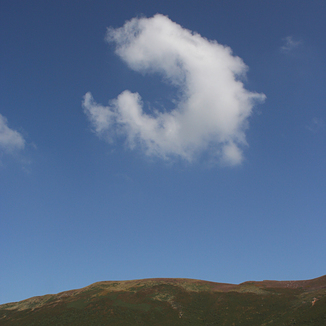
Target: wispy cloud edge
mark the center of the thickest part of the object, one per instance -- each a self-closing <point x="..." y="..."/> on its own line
<point x="10" y="140"/>
<point x="289" y="44"/>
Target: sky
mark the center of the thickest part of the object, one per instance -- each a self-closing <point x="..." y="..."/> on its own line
<point x="144" y="139"/>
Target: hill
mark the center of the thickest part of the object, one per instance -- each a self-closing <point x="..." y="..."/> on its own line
<point x="176" y="302"/>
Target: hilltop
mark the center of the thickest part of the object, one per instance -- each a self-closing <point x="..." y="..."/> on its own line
<point x="176" y="302"/>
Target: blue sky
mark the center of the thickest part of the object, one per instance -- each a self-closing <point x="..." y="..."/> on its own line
<point x="215" y="171"/>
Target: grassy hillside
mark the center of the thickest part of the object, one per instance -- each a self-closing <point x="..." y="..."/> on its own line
<point x="176" y="302"/>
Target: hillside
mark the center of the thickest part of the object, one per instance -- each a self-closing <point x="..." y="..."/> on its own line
<point x="176" y="302"/>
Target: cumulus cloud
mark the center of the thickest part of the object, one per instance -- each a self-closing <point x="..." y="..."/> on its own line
<point x="289" y="44"/>
<point x="212" y="111"/>
<point x="10" y="140"/>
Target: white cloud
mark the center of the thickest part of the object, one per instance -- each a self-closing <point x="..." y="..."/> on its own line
<point x="316" y="125"/>
<point x="10" y="140"/>
<point x="212" y="112"/>
<point x="289" y="44"/>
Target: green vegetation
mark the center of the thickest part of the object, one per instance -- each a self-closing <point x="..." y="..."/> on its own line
<point x="176" y="302"/>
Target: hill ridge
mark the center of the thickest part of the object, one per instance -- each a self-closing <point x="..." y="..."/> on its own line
<point x="176" y="301"/>
<point x="315" y="283"/>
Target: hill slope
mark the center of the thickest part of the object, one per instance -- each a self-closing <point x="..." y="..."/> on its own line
<point x="176" y="302"/>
